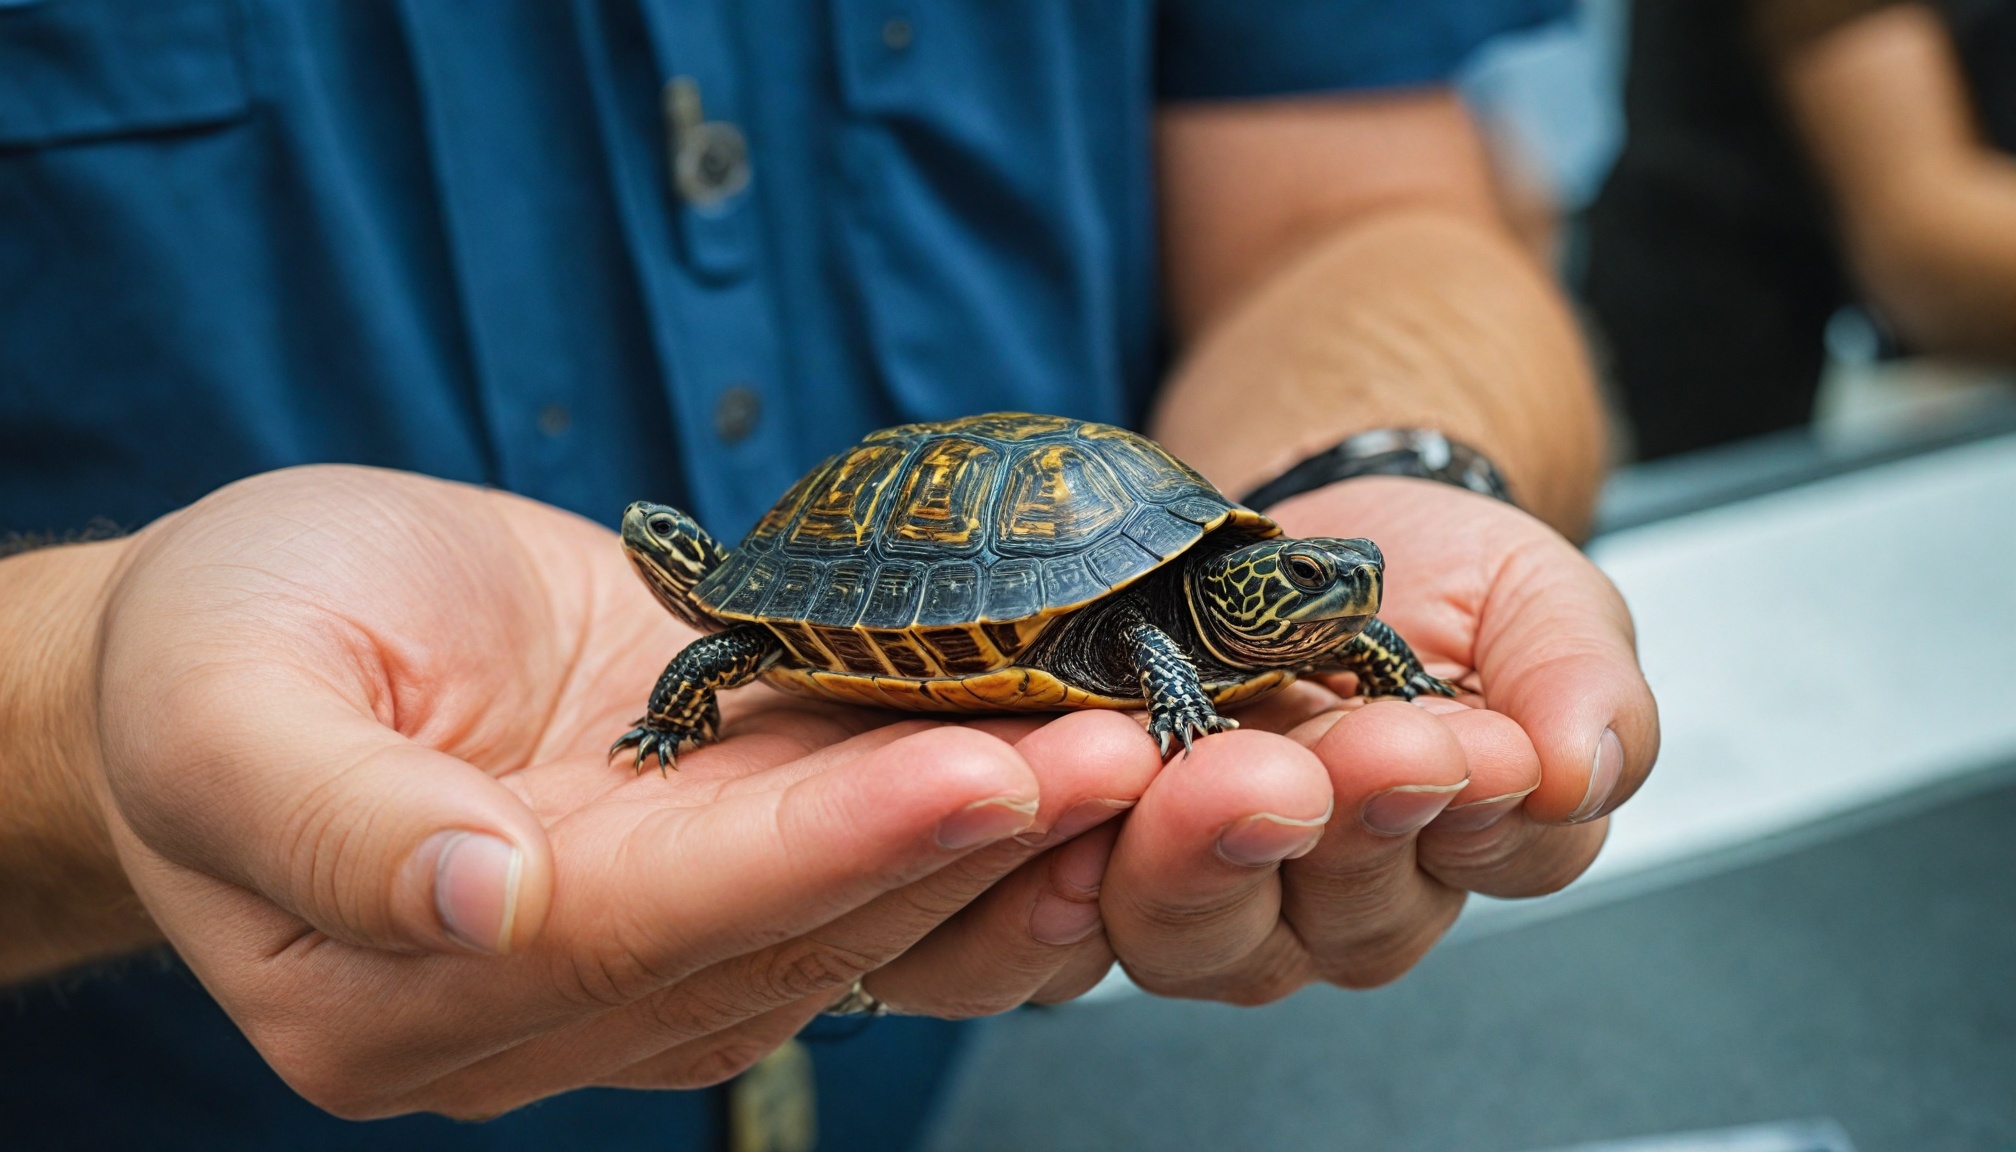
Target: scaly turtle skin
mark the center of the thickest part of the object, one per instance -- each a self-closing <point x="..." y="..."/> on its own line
<point x="1009" y="563"/>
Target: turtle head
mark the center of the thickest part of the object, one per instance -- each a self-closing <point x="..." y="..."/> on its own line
<point x="672" y="553"/>
<point x="1286" y="602"/>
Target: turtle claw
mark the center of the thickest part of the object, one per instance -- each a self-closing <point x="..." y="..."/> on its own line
<point x="649" y="742"/>
<point x="1186" y="724"/>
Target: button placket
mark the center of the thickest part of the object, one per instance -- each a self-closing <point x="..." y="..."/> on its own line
<point x="700" y="233"/>
<point x="708" y="160"/>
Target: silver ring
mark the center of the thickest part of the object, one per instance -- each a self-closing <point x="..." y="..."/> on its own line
<point x="857" y="1001"/>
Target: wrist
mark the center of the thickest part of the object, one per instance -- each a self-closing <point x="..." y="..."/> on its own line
<point x="1419" y="453"/>
<point x="64" y="898"/>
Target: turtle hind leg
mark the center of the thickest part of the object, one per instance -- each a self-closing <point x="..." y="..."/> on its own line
<point x="1178" y="706"/>
<point x="1386" y="666"/>
<point x="684" y="707"/>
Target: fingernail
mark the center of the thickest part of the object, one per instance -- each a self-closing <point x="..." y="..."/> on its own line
<point x="1083" y="817"/>
<point x="476" y="889"/>
<point x="1056" y="920"/>
<point x="1406" y="809"/>
<point x="1603" y="777"/>
<point x="1258" y="841"/>
<point x="1480" y="814"/>
<point x="985" y="821"/>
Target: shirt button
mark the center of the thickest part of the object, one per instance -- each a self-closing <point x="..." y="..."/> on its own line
<point x="897" y="34"/>
<point x="555" y="419"/>
<point x="710" y="158"/>
<point x="736" y="413"/>
<point x="713" y="163"/>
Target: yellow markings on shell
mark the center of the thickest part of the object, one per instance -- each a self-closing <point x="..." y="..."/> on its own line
<point x="1058" y="492"/>
<point x="844" y="505"/>
<point x="944" y="491"/>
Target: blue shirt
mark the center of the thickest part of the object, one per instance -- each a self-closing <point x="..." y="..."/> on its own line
<point x="242" y="234"/>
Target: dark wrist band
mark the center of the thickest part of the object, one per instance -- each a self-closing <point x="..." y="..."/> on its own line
<point x="1416" y="452"/>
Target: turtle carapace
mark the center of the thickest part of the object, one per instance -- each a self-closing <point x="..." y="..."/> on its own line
<point x="1010" y="563"/>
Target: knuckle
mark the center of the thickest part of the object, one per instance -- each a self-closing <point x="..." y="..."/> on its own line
<point x="680" y="1014"/>
<point x="1350" y="889"/>
<point x="1544" y="861"/>
<point x="609" y="979"/>
<point x="940" y="897"/>
<point x="807" y="968"/>
<point x="1168" y="918"/>
<point x="1380" y="957"/>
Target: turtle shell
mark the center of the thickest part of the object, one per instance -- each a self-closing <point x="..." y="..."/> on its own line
<point x="989" y="522"/>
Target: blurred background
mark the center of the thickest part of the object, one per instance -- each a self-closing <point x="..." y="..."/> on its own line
<point x="1791" y="230"/>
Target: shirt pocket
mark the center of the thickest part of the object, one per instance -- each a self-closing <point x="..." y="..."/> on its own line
<point x="74" y="70"/>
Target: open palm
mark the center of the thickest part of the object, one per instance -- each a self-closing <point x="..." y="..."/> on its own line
<point x="355" y="726"/>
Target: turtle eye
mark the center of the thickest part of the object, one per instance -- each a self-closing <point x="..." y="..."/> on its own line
<point x="1306" y="571"/>
<point x="661" y="525"/>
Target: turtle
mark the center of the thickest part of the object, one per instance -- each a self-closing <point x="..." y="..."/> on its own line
<point x="1006" y="563"/>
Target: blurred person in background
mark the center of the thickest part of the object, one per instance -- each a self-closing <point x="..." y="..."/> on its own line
<point x="1788" y="158"/>
<point x="336" y="734"/>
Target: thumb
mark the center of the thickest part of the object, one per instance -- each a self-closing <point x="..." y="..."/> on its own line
<point x="286" y="789"/>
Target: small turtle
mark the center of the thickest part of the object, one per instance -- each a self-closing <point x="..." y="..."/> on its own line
<point x="1009" y="563"/>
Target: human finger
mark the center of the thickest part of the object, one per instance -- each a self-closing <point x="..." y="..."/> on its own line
<point x="1359" y="904"/>
<point x="1484" y="841"/>
<point x="1086" y="968"/>
<point x="998" y="951"/>
<point x="1192" y="887"/>
<point x="756" y="867"/>
<point x="717" y="1058"/>
<point x="1090" y="765"/>
<point x="1082" y="758"/>
<point x="1556" y="653"/>
<point x="1503" y="767"/>
<point x="1515" y="857"/>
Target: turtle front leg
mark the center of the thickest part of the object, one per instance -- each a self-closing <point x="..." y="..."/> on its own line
<point x="684" y="708"/>
<point x="1178" y="706"/>
<point x="1386" y="666"/>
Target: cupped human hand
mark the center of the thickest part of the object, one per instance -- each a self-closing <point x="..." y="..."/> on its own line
<point x="1333" y="839"/>
<point x="354" y="728"/>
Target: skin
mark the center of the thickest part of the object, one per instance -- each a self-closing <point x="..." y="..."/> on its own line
<point x="1927" y="207"/>
<point x="297" y="729"/>
<point x="254" y="728"/>
<point x="1320" y="843"/>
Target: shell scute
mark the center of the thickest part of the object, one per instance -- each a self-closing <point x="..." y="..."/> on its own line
<point x="1159" y="532"/>
<point x="1014" y="590"/>
<point x="951" y="594"/>
<point x="840" y="512"/>
<point x="1069" y="580"/>
<point x="843" y="593"/>
<point x="941" y="501"/>
<point x="1055" y="498"/>
<point x="898" y="585"/>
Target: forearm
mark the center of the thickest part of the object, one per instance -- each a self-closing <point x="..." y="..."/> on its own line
<point x="1407" y="318"/>
<point x="1927" y="208"/>
<point x="1942" y="267"/>
<point x="63" y="896"/>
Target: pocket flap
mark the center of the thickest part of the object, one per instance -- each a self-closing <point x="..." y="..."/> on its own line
<point x="77" y="69"/>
